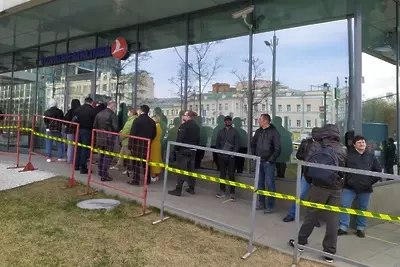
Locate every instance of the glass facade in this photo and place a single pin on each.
(200, 61)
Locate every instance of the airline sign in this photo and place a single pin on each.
(119, 50)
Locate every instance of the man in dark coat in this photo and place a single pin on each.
(106, 120)
(54, 129)
(143, 127)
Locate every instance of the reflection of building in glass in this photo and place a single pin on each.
(300, 110)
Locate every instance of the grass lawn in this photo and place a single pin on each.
(41, 226)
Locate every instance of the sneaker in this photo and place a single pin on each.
(125, 173)
(328, 260)
(48, 160)
(232, 198)
(220, 195)
(106, 179)
(267, 211)
(175, 192)
(153, 179)
(114, 168)
(317, 224)
(360, 233)
(61, 160)
(288, 218)
(341, 232)
(190, 191)
(291, 243)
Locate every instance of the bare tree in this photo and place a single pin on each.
(203, 67)
(258, 74)
(179, 82)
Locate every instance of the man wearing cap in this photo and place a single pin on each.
(228, 140)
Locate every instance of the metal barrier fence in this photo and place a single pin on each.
(10, 136)
(250, 231)
(323, 206)
(133, 155)
(53, 131)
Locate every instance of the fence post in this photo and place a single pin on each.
(164, 194)
(297, 216)
(250, 248)
(29, 166)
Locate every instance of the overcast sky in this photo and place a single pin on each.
(306, 56)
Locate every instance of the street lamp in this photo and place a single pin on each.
(326, 87)
(273, 50)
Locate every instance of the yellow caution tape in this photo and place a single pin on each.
(368, 214)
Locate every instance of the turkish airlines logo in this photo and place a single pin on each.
(119, 48)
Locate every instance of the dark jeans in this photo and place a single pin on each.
(185, 161)
(138, 168)
(215, 158)
(199, 158)
(239, 161)
(82, 155)
(105, 160)
(328, 197)
(280, 169)
(227, 164)
(389, 169)
(266, 181)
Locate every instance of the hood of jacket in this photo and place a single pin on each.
(315, 133)
(329, 132)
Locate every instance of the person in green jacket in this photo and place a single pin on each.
(173, 132)
(132, 115)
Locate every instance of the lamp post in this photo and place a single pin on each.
(326, 89)
(272, 45)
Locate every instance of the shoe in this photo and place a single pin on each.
(267, 211)
(48, 160)
(220, 195)
(190, 191)
(328, 260)
(114, 168)
(288, 218)
(61, 160)
(260, 207)
(135, 183)
(77, 168)
(360, 233)
(84, 171)
(176, 192)
(232, 198)
(291, 243)
(106, 179)
(318, 224)
(126, 173)
(341, 232)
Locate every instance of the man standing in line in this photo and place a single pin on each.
(228, 139)
(85, 116)
(188, 133)
(357, 185)
(266, 144)
(326, 187)
(54, 129)
(106, 120)
(144, 127)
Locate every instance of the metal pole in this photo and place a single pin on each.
(297, 215)
(325, 92)
(397, 84)
(358, 118)
(185, 89)
(250, 95)
(350, 88)
(134, 93)
(274, 44)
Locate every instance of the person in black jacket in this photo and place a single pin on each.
(228, 139)
(143, 127)
(266, 144)
(85, 117)
(188, 133)
(53, 128)
(70, 130)
(358, 186)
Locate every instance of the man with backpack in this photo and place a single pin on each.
(301, 155)
(326, 187)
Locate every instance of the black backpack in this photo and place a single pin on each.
(324, 155)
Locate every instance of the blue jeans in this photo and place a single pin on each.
(266, 180)
(82, 154)
(49, 145)
(303, 192)
(105, 160)
(348, 197)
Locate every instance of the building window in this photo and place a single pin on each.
(308, 123)
(308, 107)
(167, 111)
(197, 107)
(208, 107)
(190, 107)
(288, 108)
(298, 108)
(202, 107)
(298, 123)
(255, 121)
(255, 107)
(290, 123)
(226, 106)
(279, 108)
(245, 107)
(264, 107)
(219, 106)
(237, 106)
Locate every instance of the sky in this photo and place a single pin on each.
(309, 55)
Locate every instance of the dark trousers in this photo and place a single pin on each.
(82, 154)
(138, 168)
(227, 164)
(215, 158)
(185, 161)
(389, 169)
(280, 169)
(199, 158)
(105, 160)
(239, 161)
(328, 197)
